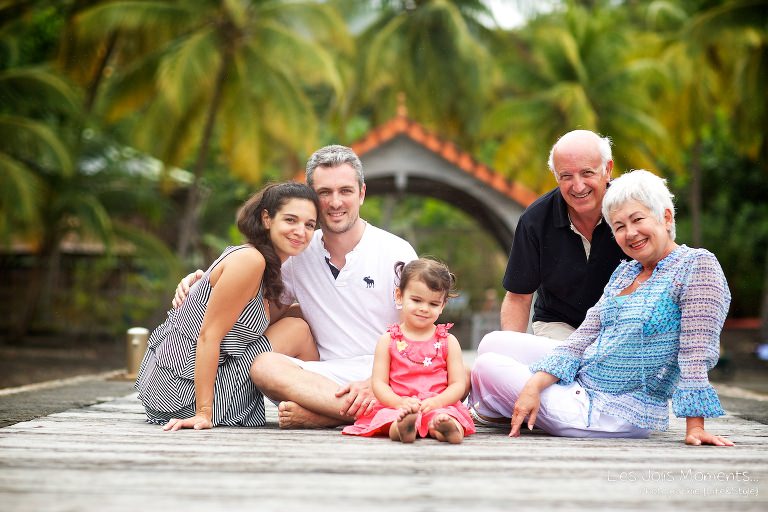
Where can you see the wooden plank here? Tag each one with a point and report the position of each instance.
(105, 457)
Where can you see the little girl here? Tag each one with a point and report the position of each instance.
(418, 370)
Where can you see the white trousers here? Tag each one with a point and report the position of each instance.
(500, 372)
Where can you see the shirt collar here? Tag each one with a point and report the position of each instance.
(561, 211)
(562, 217)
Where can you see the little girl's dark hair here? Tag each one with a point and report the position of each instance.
(271, 198)
(433, 273)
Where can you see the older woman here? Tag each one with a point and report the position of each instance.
(651, 337)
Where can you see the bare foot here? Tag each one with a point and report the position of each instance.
(292, 415)
(444, 428)
(404, 427)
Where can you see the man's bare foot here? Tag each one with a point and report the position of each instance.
(444, 428)
(403, 429)
(292, 415)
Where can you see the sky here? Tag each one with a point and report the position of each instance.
(511, 13)
(506, 12)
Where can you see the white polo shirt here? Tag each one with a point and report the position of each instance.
(348, 314)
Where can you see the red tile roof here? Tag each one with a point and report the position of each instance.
(402, 125)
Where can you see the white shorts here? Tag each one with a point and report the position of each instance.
(340, 371)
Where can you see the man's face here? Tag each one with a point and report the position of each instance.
(581, 178)
(340, 197)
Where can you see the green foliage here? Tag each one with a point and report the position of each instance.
(110, 294)
(101, 100)
(437, 229)
(574, 69)
(735, 217)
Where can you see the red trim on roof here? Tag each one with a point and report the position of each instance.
(402, 125)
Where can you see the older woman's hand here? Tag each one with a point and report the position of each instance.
(697, 436)
(526, 406)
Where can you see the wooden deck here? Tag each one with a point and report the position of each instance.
(105, 457)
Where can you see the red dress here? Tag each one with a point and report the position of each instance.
(419, 369)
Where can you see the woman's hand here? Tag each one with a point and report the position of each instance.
(697, 436)
(197, 422)
(526, 406)
(529, 401)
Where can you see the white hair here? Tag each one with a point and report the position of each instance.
(603, 146)
(644, 187)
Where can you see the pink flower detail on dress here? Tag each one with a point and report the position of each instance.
(441, 331)
(394, 332)
(427, 361)
(437, 345)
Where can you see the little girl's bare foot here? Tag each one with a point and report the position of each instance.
(404, 427)
(292, 415)
(444, 428)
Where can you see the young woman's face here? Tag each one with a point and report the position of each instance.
(292, 227)
(421, 306)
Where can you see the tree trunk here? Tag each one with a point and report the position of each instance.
(764, 308)
(41, 269)
(190, 215)
(98, 75)
(695, 194)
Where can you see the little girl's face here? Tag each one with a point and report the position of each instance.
(421, 306)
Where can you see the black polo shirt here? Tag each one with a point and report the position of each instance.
(548, 257)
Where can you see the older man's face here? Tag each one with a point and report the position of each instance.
(581, 178)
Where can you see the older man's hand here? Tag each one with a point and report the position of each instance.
(182, 290)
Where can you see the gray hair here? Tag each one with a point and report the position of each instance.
(603, 146)
(334, 156)
(644, 187)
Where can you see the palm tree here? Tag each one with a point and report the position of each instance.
(713, 58)
(203, 71)
(433, 51)
(46, 195)
(579, 68)
(30, 147)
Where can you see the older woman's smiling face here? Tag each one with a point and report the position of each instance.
(640, 234)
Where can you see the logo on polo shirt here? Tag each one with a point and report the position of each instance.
(369, 283)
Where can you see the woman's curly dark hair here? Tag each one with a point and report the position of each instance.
(271, 198)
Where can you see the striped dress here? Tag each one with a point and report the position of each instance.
(166, 378)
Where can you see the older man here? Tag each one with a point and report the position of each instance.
(563, 249)
(344, 283)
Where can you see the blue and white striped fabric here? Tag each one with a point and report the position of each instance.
(166, 378)
(635, 353)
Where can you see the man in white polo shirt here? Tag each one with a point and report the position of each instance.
(344, 283)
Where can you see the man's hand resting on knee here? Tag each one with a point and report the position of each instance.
(359, 398)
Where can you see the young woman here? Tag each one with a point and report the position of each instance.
(195, 373)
